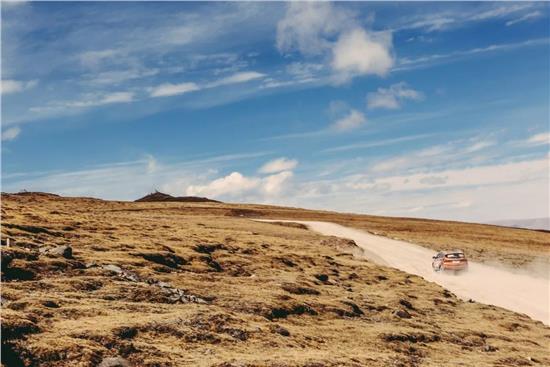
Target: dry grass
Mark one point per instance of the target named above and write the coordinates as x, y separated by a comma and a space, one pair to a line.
275, 295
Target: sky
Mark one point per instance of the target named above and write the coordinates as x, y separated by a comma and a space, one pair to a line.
435, 110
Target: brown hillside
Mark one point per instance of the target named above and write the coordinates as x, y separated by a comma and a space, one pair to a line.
98, 283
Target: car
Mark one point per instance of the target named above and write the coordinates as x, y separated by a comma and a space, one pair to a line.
454, 261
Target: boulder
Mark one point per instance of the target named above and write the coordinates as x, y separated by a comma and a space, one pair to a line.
402, 314
65, 251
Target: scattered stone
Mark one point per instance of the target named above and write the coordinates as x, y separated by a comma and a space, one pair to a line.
65, 251
287, 262
280, 330
322, 277
406, 303
412, 338
356, 310
165, 258
114, 362
296, 289
214, 265
91, 264
126, 332
50, 304
113, 268
381, 277
489, 348
402, 314
208, 248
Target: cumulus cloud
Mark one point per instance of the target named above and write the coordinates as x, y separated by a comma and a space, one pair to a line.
231, 185
323, 29
278, 165
392, 97
11, 133
307, 26
240, 187
359, 53
351, 121
9, 86
169, 89
237, 186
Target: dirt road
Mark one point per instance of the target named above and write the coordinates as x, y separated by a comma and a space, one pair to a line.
520, 292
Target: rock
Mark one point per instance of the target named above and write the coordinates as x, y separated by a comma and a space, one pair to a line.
214, 265
208, 248
126, 332
91, 264
489, 348
280, 330
165, 258
406, 303
113, 268
356, 310
65, 251
50, 304
321, 277
297, 289
114, 362
402, 314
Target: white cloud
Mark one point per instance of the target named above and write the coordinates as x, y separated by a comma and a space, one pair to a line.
391, 98
435, 157
538, 139
358, 53
118, 97
236, 78
377, 143
524, 18
433, 23
353, 120
304, 70
278, 165
307, 26
236, 186
480, 145
275, 184
169, 89
93, 59
15, 86
152, 164
232, 184
311, 28
11, 133
470, 176
423, 61
88, 100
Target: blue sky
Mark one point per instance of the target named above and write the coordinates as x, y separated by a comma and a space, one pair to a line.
436, 110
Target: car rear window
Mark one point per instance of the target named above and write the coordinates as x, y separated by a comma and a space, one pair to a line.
455, 255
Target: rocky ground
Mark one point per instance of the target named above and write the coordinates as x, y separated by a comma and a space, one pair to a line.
87, 282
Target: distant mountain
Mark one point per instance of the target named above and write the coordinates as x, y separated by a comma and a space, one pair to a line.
534, 223
162, 197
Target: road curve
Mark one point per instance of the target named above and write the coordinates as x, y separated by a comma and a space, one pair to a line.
520, 292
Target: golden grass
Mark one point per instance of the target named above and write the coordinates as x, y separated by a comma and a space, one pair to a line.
266, 305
